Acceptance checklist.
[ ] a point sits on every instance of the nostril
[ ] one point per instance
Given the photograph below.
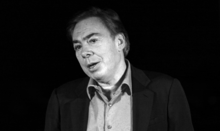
(85, 54)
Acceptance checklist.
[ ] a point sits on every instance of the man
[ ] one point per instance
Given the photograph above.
(115, 96)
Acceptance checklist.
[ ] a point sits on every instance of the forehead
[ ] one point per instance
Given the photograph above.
(89, 25)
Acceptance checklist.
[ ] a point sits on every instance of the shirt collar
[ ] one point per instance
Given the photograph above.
(93, 85)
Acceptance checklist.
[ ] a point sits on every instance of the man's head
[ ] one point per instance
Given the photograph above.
(110, 20)
(99, 52)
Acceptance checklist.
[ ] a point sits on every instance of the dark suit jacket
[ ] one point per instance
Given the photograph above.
(159, 104)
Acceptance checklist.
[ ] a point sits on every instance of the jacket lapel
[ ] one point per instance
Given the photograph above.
(142, 100)
(82, 121)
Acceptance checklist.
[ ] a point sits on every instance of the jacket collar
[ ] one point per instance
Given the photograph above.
(141, 77)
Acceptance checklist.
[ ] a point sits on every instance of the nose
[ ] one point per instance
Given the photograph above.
(87, 53)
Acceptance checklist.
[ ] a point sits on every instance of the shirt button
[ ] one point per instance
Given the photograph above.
(109, 104)
(109, 126)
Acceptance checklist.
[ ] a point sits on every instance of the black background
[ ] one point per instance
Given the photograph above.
(176, 38)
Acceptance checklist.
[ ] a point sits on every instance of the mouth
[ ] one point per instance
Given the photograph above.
(92, 66)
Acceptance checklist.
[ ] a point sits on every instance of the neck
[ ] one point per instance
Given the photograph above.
(109, 85)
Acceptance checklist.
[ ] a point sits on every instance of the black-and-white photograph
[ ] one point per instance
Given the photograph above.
(110, 65)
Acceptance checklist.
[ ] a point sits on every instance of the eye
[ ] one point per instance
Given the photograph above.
(92, 41)
(77, 47)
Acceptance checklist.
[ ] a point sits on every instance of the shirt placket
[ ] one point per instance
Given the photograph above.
(107, 106)
(108, 124)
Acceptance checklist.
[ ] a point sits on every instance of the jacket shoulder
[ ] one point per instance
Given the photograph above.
(71, 88)
(159, 81)
(157, 76)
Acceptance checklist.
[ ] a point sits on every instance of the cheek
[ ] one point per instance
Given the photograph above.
(80, 60)
(81, 63)
(112, 55)
(109, 52)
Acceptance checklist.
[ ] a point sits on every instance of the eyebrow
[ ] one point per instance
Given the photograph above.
(87, 37)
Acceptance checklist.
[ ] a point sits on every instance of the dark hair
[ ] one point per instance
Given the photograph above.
(108, 17)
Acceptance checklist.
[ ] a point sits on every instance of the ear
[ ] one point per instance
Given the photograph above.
(120, 42)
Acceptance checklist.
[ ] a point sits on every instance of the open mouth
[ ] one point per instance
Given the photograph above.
(92, 65)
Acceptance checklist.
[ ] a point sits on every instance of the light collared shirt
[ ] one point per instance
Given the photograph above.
(114, 114)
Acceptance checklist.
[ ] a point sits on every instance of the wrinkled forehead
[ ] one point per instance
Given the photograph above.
(87, 26)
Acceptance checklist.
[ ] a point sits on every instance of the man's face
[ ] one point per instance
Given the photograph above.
(97, 52)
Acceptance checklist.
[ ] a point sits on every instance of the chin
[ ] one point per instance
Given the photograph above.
(98, 75)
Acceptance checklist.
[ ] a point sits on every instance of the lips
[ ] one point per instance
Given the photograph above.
(92, 66)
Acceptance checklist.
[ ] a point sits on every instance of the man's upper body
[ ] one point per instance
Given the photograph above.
(159, 103)
(115, 96)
